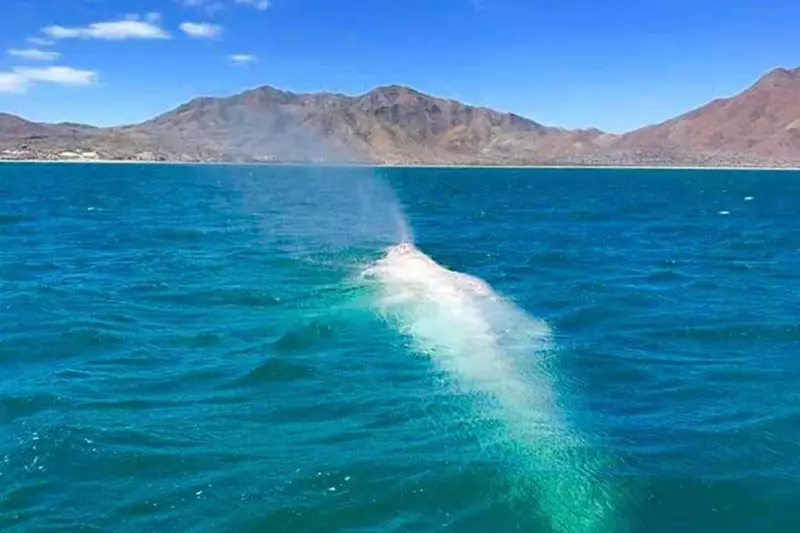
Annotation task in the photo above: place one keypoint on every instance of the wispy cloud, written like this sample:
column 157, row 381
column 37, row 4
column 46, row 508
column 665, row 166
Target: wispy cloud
column 212, row 6
column 34, row 54
column 60, row 75
column 12, row 83
column 38, row 41
column 261, row 5
column 201, row 30
column 19, row 79
column 132, row 27
column 209, row 6
column 242, row 59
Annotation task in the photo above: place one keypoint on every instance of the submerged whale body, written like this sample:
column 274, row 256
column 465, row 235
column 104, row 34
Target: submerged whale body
column 494, row 349
column 404, row 263
column 418, row 290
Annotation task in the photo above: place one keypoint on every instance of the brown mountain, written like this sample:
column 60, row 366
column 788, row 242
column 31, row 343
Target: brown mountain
column 20, row 138
column 762, row 122
column 14, row 127
column 396, row 124
column 390, row 124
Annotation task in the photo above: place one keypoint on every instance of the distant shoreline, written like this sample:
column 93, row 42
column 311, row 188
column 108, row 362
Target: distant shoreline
column 365, row 165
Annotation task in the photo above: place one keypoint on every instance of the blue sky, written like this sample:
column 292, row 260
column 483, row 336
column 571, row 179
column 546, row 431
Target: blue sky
column 612, row 64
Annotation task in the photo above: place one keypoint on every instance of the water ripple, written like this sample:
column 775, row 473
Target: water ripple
column 196, row 352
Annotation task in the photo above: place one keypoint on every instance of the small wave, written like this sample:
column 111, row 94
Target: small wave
column 135, row 404
column 205, row 339
column 66, row 344
column 775, row 332
column 241, row 297
column 9, row 219
column 179, row 234
column 586, row 215
column 666, row 276
column 303, row 336
column 704, row 285
column 14, row 406
column 550, row 258
column 23, row 502
column 79, row 339
column 138, row 358
column 274, row 370
column 588, row 315
column 735, row 422
column 69, row 374
column 315, row 413
column 361, row 497
column 754, row 244
column 670, row 228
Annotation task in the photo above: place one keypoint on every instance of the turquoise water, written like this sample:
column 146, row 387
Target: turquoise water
column 223, row 348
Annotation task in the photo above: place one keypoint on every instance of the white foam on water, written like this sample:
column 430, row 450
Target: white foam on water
column 493, row 348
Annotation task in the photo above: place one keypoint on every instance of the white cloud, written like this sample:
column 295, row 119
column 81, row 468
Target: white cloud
column 200, row 30
column 242, row 59
column 60, row 75
column 132, row 27
column 20, row 78
column 38, row 41
column 34, row 54
column 12, row 83
column 261, row 5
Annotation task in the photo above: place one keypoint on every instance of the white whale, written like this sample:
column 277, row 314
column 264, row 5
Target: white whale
column 493, row 348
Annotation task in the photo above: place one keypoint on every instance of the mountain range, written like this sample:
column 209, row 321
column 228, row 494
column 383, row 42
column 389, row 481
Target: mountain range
column 398, row 125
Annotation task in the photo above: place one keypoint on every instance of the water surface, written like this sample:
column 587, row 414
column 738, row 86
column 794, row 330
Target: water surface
column 192, row 348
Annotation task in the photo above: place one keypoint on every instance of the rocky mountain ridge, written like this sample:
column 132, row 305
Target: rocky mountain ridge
column 399, row 125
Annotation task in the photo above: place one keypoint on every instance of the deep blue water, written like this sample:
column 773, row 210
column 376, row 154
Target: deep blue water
column 191, row 348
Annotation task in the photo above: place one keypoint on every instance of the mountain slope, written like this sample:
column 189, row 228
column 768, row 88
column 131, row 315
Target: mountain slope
column 396, row 124
column 390, row 124
column 763, row 121
column 14, row 127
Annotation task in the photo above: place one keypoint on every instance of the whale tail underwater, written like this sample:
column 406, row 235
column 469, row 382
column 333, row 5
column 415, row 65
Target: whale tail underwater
column 493, row 349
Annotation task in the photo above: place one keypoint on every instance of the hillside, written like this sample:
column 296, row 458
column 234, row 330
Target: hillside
column 390, row 124
column 761, row 122
column 398, row 125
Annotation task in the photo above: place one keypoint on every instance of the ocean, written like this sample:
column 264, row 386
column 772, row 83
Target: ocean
column 328, row 349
